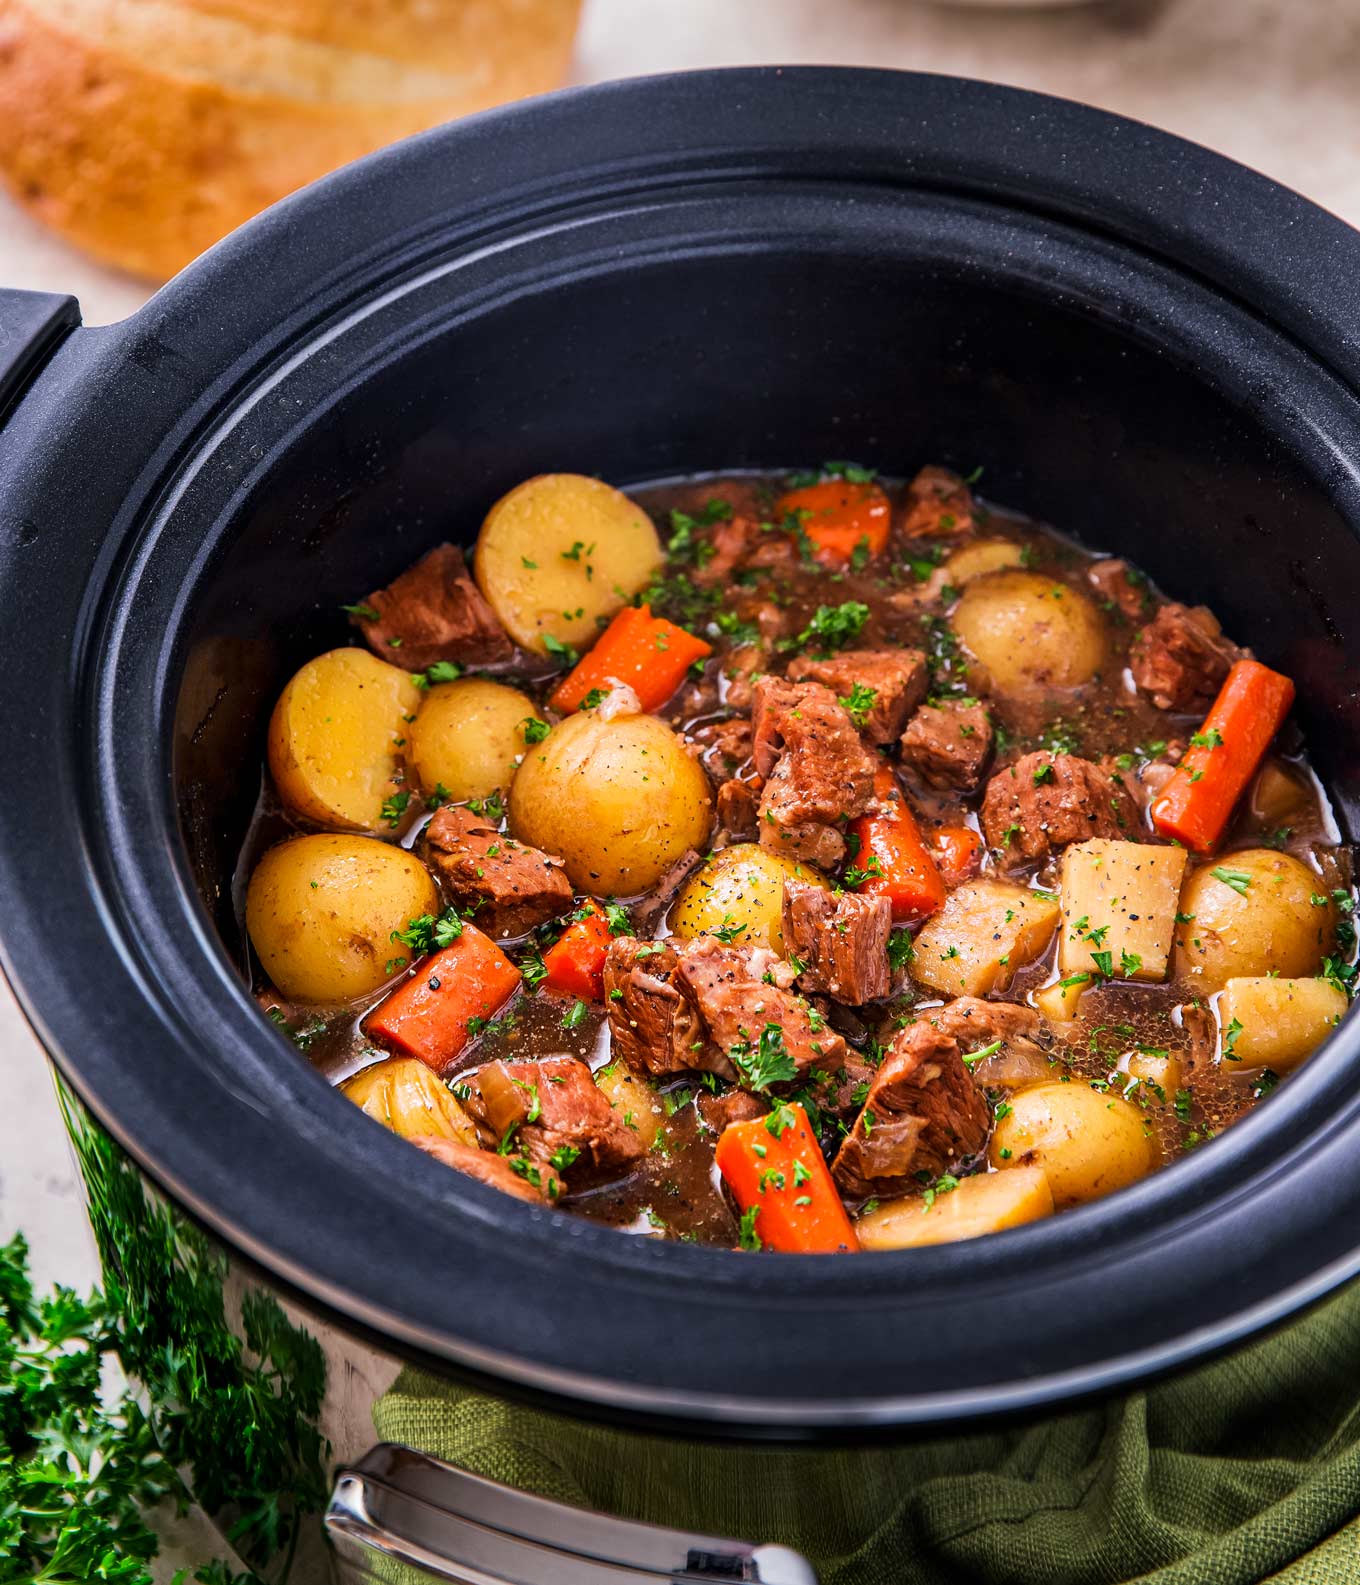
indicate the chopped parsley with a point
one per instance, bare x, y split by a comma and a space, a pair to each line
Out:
533, 729
859, 703
767, 1062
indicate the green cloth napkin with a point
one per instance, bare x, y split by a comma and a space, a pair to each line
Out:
1243, 1471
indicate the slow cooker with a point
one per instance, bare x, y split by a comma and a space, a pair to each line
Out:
1137, 340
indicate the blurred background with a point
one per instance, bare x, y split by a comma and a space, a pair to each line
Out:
139, 130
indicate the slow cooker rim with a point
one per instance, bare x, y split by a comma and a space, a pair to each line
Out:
164, 300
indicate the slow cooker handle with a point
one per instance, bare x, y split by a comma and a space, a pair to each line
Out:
31, 326
449, 1525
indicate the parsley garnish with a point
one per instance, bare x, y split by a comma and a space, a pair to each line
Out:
394, 808
559, 651
428, 934
1239, 880
768, 1062
747, 1236
832, 627
534, 730
365, 613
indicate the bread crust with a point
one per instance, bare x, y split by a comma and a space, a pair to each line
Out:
146, 132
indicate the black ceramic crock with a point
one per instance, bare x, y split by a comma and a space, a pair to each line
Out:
1136, 339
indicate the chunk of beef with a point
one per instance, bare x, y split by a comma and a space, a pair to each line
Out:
741, 992
1146, 781
733, 1106
654, 1022
948, 745
818, 772
1121, 585
434, 611
730, 542
842, 941
738, 808
938, 503
1045, 801
742, 670
844, 1092
897, 678
977, 1024
485, 1165
549, 1118
724, 746
648, 913
506, 887
1179, 660
923, 1114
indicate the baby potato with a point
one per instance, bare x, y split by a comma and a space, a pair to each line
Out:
619, 801
1033, 634
1089, 1144
404, 1094
636, 1101
560, 554
333, 750
983, 555
1276, 1023
320, 912
1251, 913
988, 1202
469, 737
739, 891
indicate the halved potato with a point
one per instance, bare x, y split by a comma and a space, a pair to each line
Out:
560, 554
981, 556
1032, 633
740, 893
334, 738
1088, 1142
320, 912
618, 801
988, 1202
405, 1095
984, 932
1275, 1023
469, 737
636, 1101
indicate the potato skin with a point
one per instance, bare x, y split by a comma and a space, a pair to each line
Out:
1273, 924
403, 1094
988, 1202
1031, 633
1280, 1022
619, 801
469, 737
333, 750
559, 555
1089, 1144
320, 912
740, 885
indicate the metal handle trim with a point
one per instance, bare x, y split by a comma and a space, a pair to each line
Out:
460, 1527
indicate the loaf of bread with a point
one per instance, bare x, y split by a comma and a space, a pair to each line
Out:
144, 130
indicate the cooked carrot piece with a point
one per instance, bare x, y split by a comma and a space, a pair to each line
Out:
1195, 805
428, 1016
893, 857
648, 653
775, 1169
839, 518
575, 961
957, 851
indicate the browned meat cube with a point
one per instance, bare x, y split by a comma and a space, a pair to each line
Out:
741, 994
734, 1106
923, 1114
892, 682
731, 542
737, 808
839, 943
654, 1023
550, 1117
505, 887
435, 612
938, 503
486, 1166
1045, 801
819, 773
1181, 657
974, 1022
948, 745
1116, 582
724, 746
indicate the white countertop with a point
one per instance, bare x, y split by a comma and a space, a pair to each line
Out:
1271, 82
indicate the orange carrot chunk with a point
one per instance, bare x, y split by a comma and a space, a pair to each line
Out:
428, 1016
957, 851
1195, 805
839, 518
648, 653
778, 1177
893, 858
575, 961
